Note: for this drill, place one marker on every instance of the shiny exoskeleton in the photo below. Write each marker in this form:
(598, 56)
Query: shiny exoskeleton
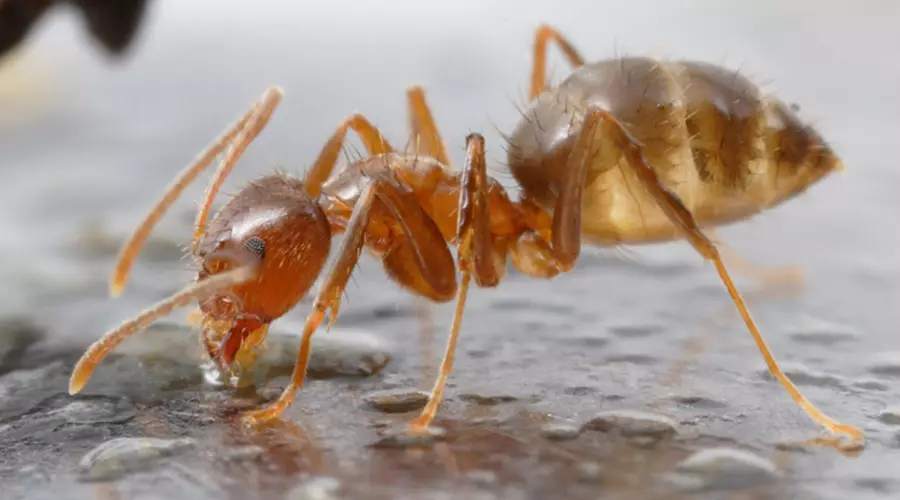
(624, 151)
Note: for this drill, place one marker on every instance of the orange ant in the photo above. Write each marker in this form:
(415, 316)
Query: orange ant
(624, 151)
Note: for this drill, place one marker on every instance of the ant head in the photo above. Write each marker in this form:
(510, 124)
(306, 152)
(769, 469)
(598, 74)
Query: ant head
(275, 227)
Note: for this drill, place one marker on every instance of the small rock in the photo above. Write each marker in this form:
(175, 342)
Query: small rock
(121, 456)
(335, 353)
(487, 400)
(403, 438)
(886, 364)
(588, 471)
(878, 484)
(871, 385)
(317, 488)
(579, 390)
(815, 331)
(560, 431)
(727, 468)
(636, 330)
(632, 423)
(482, 477)
(633, 358)
(397, 400)
(890, 415)
(701, 402)
(801, 375)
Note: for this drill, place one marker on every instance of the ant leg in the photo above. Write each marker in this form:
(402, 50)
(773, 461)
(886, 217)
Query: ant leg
(475, 256)
(555, 244)
(682, 218)
(132, 247)
(424, 133)
(539, 69)
(426, 140)
(372, 139)
(99, 349)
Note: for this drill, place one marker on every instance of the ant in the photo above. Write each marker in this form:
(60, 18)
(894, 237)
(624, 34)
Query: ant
(623, 151)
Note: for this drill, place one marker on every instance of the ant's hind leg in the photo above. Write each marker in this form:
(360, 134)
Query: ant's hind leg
(682, 218)
(542, 37)
(424, 135)
(475, 254)
(132, 247)
(372, 139)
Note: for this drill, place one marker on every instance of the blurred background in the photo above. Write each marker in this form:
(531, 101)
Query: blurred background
(89, 140)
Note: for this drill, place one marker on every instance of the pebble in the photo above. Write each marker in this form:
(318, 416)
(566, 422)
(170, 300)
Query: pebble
(802, 375)
(871, 385)
(636, 330)
(890, 415)
(560, 431)
(886, 364)
(487, 400)
(632, 423)
(815, 331)
(700, 402)
(402, 438)
(588, 471)
(317, 488)
(727, 468)
(482, 477)
(122, 456)
(633, 358)
(397, 400)
(335, 353)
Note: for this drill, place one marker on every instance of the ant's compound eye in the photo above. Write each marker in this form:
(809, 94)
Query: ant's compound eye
(256, 245)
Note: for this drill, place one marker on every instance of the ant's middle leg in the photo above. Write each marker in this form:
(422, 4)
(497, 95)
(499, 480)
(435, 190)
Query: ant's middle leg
(542, 37)
(476, 256)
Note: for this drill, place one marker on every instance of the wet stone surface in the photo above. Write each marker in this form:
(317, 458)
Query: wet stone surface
(631, 377)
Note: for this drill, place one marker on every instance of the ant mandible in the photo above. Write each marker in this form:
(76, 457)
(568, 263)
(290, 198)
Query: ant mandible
(624, 151)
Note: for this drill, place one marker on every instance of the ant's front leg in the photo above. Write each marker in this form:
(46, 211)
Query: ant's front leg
(476, 256)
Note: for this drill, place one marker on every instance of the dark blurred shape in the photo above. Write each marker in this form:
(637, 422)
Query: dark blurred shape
(114, 23)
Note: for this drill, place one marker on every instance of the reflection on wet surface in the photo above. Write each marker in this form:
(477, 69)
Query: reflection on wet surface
(631, 377)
